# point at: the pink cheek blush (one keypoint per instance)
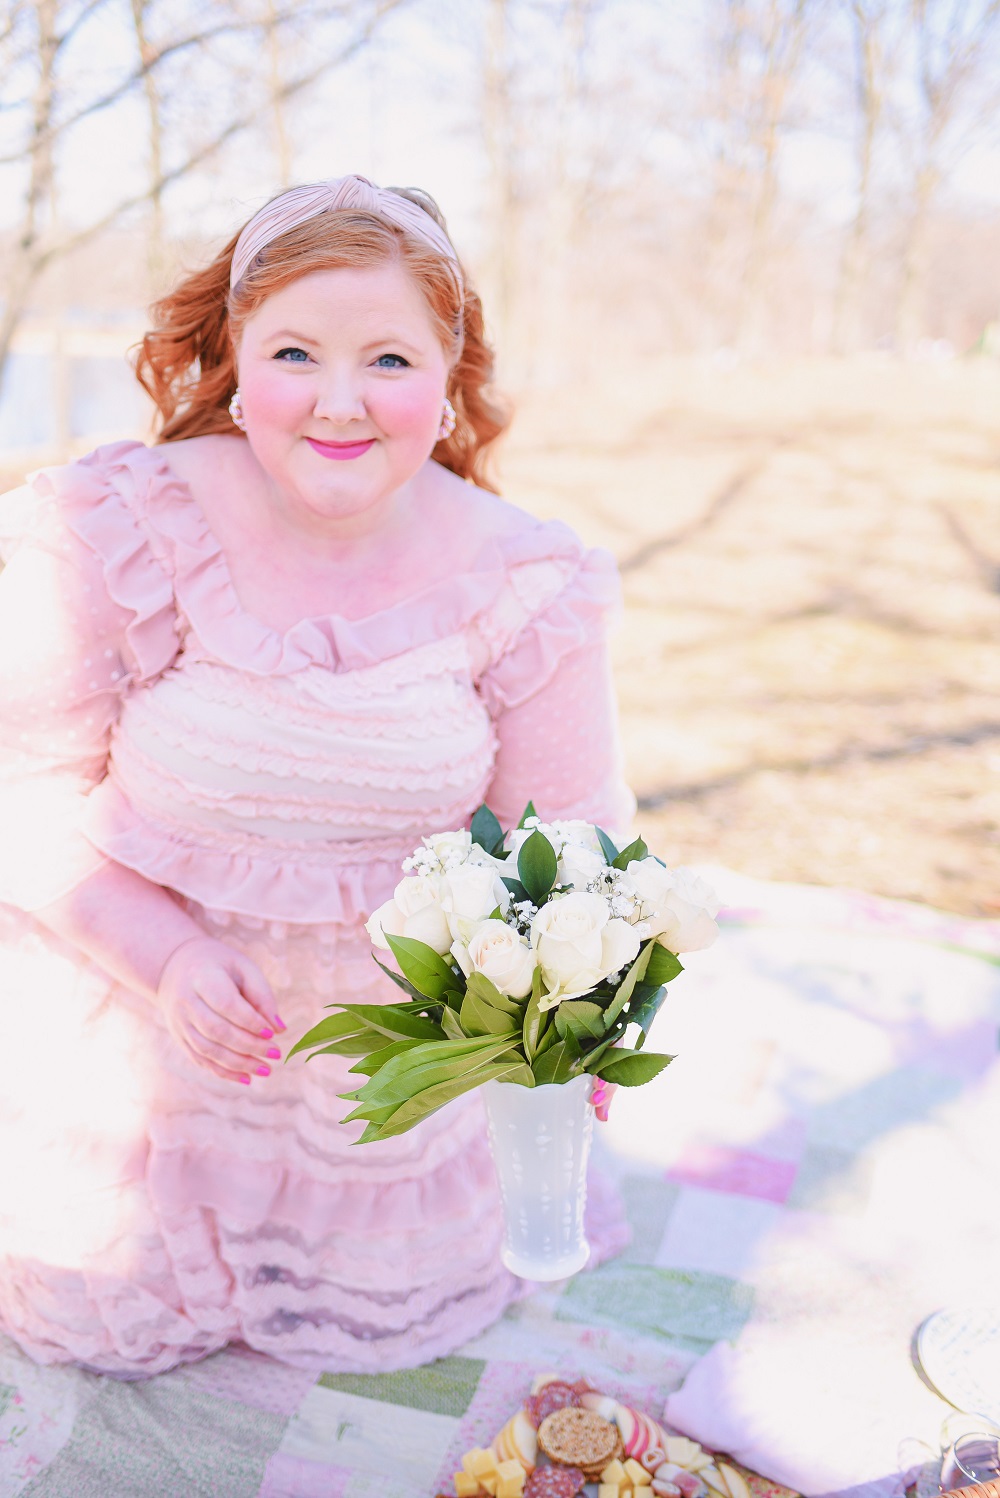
(399, 413)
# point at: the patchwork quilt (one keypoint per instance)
(814, 1174)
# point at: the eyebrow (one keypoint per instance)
(295, 337)
(289, 335)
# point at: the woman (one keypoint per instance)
(243, 672)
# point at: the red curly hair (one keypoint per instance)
(187, 362)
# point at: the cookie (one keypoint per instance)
(580, 1438)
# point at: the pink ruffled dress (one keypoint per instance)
(150, 1213)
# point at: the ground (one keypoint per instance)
(809, 663)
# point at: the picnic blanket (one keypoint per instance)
(814, 1174)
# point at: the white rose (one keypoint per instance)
(578, 866)
(469, 895)
(677, 907)
(501, 955)
(450, 848)
(696, 890)
(575, 946)
(620, 945)
(578, 834)
(414, 911)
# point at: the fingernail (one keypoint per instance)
(244, 1080)
(267, 1034)
(279, 1022)
(263, 1071)
(274, 1053)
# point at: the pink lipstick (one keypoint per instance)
(340, 451)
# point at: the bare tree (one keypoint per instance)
(875, 39)
(41, 32)
(770, 49)
(953, 64)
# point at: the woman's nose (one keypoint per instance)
(340, 401)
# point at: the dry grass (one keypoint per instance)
(809, 670)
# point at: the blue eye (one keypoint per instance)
(292, 355)
(391, 361)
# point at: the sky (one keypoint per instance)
(407, 111)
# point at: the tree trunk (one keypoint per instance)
(157, 250)
(28, 256)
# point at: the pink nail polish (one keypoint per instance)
(279, 1022)
(263, 1071)
(274, 1053)
(267, 1034)
(244, 1080)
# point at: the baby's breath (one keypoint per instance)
(619, 891)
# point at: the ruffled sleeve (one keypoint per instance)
(86, 609)
(545, 675)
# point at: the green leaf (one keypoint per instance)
(534, 1019)
(399, 980)
(632, 1069)
(480, 985)
(398, 1084)
(559, 1063)
(663, 966)
(645, 1006)
(428, 1102)
(517, 889)
(625, 987)
(395, 1020)
(632, 854)
(424, 967)
(479, 1017)
(451, 1024)
(453, 998)
(607, 846)
(486, 830)
(529, 811)
(354, 1045)
(536, 865)
(335, 1027)
(375, 1060)
(521, 1075)
(584, 1018)
(592, 1061)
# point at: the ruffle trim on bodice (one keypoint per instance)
(88, 499)
(161, 559)
(302, 883)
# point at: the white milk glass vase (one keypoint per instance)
(540, 1137)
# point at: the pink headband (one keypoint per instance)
(300, 204)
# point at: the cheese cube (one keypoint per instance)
(466, 1486)
(614, 1472)
(637, 1474)
(511, 1468)
(511, 1487)
(608, 1489)
(477, 1461)
(491, 1483)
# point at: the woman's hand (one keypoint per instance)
(219, 1006)
(601, 1093)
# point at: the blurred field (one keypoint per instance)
(809, 670)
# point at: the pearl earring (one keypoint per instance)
(448, 420)
(236, 412)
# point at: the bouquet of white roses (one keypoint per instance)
(525, 958)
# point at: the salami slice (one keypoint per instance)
(552, 1397)
(554, 1482)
